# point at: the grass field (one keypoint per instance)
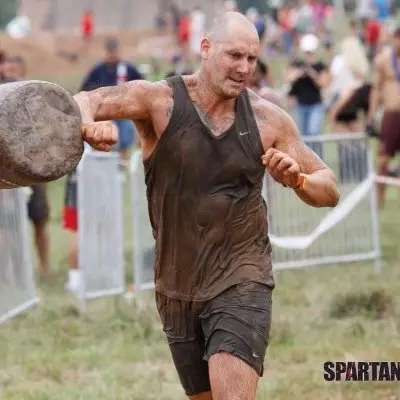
(118, 350)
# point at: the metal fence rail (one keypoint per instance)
(100, 232)
(304, 236)
(17, 283)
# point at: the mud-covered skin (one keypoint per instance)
(40, 137)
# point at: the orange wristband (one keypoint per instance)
(302, 184)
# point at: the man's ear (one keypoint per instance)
(205, 47)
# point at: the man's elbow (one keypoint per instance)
(333, 192)
(331, 195)
(334, 197)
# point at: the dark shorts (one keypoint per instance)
(38, 206)
(390, 133)
(237, 321)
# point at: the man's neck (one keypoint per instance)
(208, 99)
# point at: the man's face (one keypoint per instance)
(13, 70)
(231, 64)
(112, 56)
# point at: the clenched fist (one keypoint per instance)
(283, 168)
(100, 135)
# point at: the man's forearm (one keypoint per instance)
(319, 189)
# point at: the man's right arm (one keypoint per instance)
(132, 100)
(135, 100)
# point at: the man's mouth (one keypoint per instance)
(238, 81)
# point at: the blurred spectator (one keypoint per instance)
(184, 36)
(87, 25)
(353, 95)
(349, 112)
(110, 72)
(355, 31)
(259, 22)
(385, 92)
(175, 14)
(365, 9)
(70, 223)
(371, 35)
(383, 10)
(14, 69)
(307, 77)
(261, 85)
(287, 21)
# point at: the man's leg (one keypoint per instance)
(38, 212)
(202, 396)
(231, 378)
(180, 320)
(236, 326)
(42, 246)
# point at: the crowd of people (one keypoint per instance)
(344, 83)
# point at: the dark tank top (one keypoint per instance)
(208, 217)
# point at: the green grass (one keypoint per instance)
(118, 350)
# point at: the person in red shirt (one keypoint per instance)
(87, 25)
(183, 36)
(372, 32)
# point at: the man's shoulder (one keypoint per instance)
(268, 115)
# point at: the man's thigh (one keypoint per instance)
(181, 324)
(238, 322)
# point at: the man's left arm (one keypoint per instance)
(292, 163)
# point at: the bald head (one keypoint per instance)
(229, 54)
(230, 25)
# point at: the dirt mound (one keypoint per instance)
(63, 55)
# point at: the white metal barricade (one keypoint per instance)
(17, 283)
(100, 226)
(305, 236)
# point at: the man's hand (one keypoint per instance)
(283, 168)
(100, 135)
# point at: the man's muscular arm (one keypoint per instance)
(131, 100)
(290, 160)
(134, 100)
